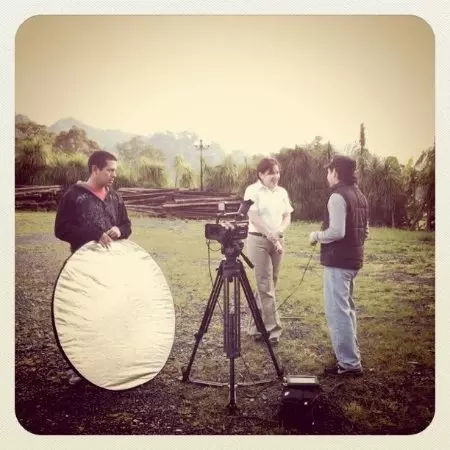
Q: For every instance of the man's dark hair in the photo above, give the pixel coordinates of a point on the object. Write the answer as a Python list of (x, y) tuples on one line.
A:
[(99, 158), (267, 164), (345, 168)]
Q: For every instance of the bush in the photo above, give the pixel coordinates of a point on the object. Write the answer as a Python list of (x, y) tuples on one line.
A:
[(31, 158), (149, 174)]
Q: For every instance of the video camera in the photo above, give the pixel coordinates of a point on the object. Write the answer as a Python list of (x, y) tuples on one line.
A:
[(231, 230)]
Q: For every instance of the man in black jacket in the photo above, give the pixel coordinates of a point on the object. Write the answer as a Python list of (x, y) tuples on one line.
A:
[(344, 231), (92, 210)]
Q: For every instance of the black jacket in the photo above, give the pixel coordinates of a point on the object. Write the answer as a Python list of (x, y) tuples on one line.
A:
[(83, 217), (348, 252)]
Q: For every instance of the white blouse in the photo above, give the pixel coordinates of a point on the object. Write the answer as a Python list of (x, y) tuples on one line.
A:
[(270, 205)]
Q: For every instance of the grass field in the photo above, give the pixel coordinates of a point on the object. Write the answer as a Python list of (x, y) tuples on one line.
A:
[(395, 301)]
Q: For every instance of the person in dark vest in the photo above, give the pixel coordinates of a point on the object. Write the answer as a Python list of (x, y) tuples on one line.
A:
[(344, 230)]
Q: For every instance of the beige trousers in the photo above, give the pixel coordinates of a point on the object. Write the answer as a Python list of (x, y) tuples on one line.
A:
[(266, 260)]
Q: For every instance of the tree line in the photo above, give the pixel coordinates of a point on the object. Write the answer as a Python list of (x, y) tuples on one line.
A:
[(399, 195)]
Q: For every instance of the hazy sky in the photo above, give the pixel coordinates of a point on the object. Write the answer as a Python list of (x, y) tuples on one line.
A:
[(254, 83)]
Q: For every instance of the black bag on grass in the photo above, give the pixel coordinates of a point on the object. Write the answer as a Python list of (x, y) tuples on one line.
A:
[(297, 402)]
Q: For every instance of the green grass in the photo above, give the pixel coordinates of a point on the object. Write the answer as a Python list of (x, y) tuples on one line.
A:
[(395, 305)]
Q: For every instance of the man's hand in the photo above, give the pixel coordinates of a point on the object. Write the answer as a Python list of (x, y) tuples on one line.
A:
[(313, 238), (113, 233), (105, 240)]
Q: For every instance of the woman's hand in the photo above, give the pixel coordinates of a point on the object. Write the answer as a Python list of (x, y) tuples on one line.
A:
[(278, 247), (274, 236)]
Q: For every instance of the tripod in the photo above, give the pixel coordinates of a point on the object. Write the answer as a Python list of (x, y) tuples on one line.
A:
[(231, 271)]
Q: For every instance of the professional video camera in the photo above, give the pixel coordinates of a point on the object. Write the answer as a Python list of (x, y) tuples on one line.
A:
[(230, 230)]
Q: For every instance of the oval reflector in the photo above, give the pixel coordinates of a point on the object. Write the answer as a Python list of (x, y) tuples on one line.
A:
[(113, 314)]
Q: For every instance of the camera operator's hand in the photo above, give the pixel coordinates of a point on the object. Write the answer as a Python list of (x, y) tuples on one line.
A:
[(113, 233), (105, 240)]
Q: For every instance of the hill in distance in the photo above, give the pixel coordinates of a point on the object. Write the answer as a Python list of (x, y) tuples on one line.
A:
[(169, 143)]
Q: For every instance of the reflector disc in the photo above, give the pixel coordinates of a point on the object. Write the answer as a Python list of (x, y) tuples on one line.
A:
[(113, 314)]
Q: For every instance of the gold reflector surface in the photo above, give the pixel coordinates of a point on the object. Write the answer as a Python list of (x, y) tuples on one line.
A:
[(113, 314)]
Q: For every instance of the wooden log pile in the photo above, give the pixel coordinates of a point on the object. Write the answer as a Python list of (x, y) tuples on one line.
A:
[(38, 198), (180, 203)]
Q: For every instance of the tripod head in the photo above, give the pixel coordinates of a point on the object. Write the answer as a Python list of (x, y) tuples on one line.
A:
[(232, 250)]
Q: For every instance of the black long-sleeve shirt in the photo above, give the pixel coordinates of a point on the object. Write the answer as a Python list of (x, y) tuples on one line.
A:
[(83, 217)]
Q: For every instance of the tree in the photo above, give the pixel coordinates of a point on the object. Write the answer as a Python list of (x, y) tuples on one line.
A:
[(410, 184), (136, 147), (363, 160), (426, 185), (32, 130), (304, 177), (30, 159), (149, 173), (223, 177), (391, 194), (75, 141), (187, 179), (178, 165)]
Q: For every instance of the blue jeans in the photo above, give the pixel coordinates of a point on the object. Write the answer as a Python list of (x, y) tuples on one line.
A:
[(340, 312)]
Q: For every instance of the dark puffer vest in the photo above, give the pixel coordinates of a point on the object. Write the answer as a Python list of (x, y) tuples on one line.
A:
[(348, 252)]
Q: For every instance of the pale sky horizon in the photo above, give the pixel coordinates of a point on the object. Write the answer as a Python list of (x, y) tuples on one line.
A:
[(250, 83)]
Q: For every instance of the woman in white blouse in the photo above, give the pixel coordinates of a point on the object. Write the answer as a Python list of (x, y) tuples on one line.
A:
[(269, 217)]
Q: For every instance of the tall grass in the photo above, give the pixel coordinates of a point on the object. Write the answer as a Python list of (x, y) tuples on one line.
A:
[(149, 173), (37, 163), (64, 169), (31, 159), (229, 177)]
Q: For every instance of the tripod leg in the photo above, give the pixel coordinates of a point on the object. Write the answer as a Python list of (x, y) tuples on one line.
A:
[(232, 393), (209, 310), (257, 316), (232, 333)]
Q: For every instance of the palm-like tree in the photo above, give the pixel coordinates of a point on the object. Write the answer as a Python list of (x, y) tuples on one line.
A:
[(178, 165), (391, 191), (187, 178), (150, 174), (410, 182), (223, 177), (426, 185), (303, 176)]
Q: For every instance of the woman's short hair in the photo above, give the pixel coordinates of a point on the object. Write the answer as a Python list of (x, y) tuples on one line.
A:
[(267, 164)]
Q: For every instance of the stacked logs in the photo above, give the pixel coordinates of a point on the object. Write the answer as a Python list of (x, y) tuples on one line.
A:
[(177, 203), (38, 198), (181, 203)]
